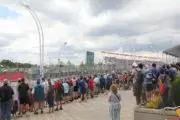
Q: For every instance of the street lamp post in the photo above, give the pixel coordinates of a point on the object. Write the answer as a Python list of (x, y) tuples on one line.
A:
[(40, 34)]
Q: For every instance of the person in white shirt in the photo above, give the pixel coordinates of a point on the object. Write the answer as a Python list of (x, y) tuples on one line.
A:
[(97, 84), (45, 84), (66, 91)]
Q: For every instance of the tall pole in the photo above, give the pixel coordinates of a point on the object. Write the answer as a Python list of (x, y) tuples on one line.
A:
[(41, 37)]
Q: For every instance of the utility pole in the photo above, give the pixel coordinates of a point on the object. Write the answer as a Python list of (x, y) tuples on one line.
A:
[(40, 34)]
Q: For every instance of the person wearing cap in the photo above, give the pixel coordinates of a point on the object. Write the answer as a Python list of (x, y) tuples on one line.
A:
[(6, 96)]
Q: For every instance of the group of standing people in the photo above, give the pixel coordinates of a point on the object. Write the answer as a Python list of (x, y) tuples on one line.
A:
[(152, 82), (42, 93), (30, 98)]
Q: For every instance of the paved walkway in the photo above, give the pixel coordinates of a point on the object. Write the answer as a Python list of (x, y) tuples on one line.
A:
[(93, 109)]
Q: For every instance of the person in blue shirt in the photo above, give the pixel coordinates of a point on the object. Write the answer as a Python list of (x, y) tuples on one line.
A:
[(108, 82), (172, 72), (147, 83), (82, 88), (102, 83), (155, 74), (39, 97)]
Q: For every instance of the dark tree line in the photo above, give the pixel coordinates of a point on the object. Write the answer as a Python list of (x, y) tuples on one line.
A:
[(11, 64)]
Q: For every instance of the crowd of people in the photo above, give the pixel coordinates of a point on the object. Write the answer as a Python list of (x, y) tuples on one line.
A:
[(150, 84), (153, 85), (45, 93)]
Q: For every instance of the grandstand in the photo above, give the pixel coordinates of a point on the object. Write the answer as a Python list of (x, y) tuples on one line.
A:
[(122, 61)]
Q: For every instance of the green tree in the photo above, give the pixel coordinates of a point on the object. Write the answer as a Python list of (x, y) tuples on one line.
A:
[(11, 64)]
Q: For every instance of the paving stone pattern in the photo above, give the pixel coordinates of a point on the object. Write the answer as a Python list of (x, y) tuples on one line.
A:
[(93, 109)]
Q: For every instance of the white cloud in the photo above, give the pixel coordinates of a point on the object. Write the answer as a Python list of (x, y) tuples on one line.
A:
[(87, 26)]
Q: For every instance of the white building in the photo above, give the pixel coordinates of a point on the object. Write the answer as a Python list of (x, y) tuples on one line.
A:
[(120, 61)]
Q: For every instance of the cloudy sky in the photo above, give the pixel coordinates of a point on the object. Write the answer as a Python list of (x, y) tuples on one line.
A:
[(95, 25)]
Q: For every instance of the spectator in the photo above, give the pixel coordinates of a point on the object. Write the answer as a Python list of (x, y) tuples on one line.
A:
[(66, 91), (147, 84), (133, 76), (6, 96), (155, 74), (102, 83), (39, 97), (138, 83), (59, 92), (19, 83), (50, 97), (97, 84), (31, 100), (45, 84), (172, 72), (164, 86), (75, 89), (91, 86), (23, 96), (114, 103), (82, 88), (70, 83), (108, 82)]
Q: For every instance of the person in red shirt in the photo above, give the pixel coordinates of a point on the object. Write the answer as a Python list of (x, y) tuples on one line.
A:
[(59, 94), (91, 86)]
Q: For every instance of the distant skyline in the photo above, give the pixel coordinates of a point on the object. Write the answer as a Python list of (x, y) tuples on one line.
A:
[(72, 27)]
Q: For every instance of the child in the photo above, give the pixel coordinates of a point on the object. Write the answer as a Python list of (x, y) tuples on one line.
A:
[(15, 108)]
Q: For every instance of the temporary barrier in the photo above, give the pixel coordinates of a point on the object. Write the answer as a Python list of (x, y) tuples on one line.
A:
[(12, 76)]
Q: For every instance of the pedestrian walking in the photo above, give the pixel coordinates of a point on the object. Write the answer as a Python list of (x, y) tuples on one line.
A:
[(114, 103), (6, 95)]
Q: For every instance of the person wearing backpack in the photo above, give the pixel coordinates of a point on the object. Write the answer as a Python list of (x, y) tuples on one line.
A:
[(6, 96), (138, 83), (155, 75)]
